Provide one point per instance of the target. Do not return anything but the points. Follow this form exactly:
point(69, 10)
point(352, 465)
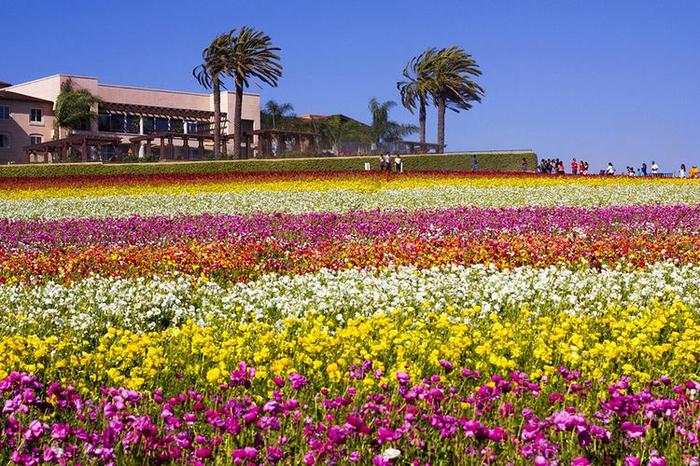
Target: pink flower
point(580, 461)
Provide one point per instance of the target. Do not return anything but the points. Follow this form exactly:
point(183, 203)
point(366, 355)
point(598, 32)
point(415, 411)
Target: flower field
point(350, 318)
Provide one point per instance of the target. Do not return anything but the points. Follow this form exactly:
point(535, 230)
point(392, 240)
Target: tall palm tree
point(451, 84)
point(210, 74)
point(383, 129)
point(415, 89)
point(250, 56)
point(276, 111)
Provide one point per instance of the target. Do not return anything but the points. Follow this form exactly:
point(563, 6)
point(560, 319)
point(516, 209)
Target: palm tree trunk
point(217, 117)
point(441, 123)
point(421, 124)
point(237, 122)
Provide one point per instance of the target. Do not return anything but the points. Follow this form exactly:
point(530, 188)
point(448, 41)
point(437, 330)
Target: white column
point(142, 145)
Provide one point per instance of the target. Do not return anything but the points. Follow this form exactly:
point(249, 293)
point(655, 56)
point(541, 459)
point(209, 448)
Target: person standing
point(524, 164)
point(574, 167)
point(644, 169)
point(398, 164)
point(610, 170)
point(474, 162)
point(654, 168)
point(681, 172)
point(381, 162)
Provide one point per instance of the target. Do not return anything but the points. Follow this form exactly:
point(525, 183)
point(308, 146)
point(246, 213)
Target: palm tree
point(210, 75)
point(451, 85)
point(250, 56)
point(415, 90)
point(383, 129)
point(275, 111)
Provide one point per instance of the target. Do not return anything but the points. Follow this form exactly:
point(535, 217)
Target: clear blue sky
point(603, 80)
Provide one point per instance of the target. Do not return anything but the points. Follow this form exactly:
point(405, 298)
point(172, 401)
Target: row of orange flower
point(245, 259)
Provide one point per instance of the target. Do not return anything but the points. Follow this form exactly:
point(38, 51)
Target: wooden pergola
point(166, 144)
point(59, 148)
point(275, 142)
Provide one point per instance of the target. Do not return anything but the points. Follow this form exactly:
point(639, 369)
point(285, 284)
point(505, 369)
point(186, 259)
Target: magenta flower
point(242, 454)
point(446, 365)
point(631, 430)
point(580, 461)
point(632, 461)
point(297, 380)
point(403, 378)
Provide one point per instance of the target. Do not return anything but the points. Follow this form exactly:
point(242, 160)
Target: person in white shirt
point(681, 172)
point(398, 164)
point(654, 168)
point(610, 170)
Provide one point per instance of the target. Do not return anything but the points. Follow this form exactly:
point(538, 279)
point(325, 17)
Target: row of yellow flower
point(641, 342)
point(83, 187)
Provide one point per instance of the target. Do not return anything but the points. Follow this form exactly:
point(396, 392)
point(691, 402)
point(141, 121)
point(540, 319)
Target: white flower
point(391, 453)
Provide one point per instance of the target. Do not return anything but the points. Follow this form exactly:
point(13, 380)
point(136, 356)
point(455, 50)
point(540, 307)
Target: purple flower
point(446, 365)
point(297, 380)
point(632, 461)
point(403, 377)
point(657, 460)
point(580, 461)
point(241, 454)
point(631, 430)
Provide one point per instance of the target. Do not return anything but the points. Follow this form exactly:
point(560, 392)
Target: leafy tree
point(273, 112)
point(383, 129)
point(336, 129)
point(210, 74)
point(250, 56)
point(451, 86)
point(74, 107)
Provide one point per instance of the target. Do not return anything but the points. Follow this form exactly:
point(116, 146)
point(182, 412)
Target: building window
point(162, 125)
point(4, 141)
point(35, 139)
point(149, 125)
point(4, 112)
point(192, 127)
point(35, 115)
point(133, 124)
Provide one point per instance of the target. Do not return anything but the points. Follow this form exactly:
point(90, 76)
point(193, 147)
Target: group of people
point(643, 170)
point(556, 167)
point(386, 163)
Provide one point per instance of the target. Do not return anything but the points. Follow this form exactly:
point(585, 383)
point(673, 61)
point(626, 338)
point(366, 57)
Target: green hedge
point(486, 161)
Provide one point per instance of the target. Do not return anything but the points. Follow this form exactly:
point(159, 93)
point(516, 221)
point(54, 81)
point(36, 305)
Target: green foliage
point(487, 161)
point(383, 129)
point(74, 107)
point(276, 115)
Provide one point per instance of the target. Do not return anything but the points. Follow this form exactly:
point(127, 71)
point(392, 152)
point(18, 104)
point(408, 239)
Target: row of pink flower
point(320, 227)
point(481, 420)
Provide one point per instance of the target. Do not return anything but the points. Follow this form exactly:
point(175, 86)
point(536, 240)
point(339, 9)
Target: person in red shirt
point(574, 167)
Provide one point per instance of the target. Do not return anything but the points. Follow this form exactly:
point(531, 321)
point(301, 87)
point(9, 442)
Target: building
point(135, 121)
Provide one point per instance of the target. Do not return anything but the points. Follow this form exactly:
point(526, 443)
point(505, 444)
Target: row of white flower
point(95, 304)
point(339, 200)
